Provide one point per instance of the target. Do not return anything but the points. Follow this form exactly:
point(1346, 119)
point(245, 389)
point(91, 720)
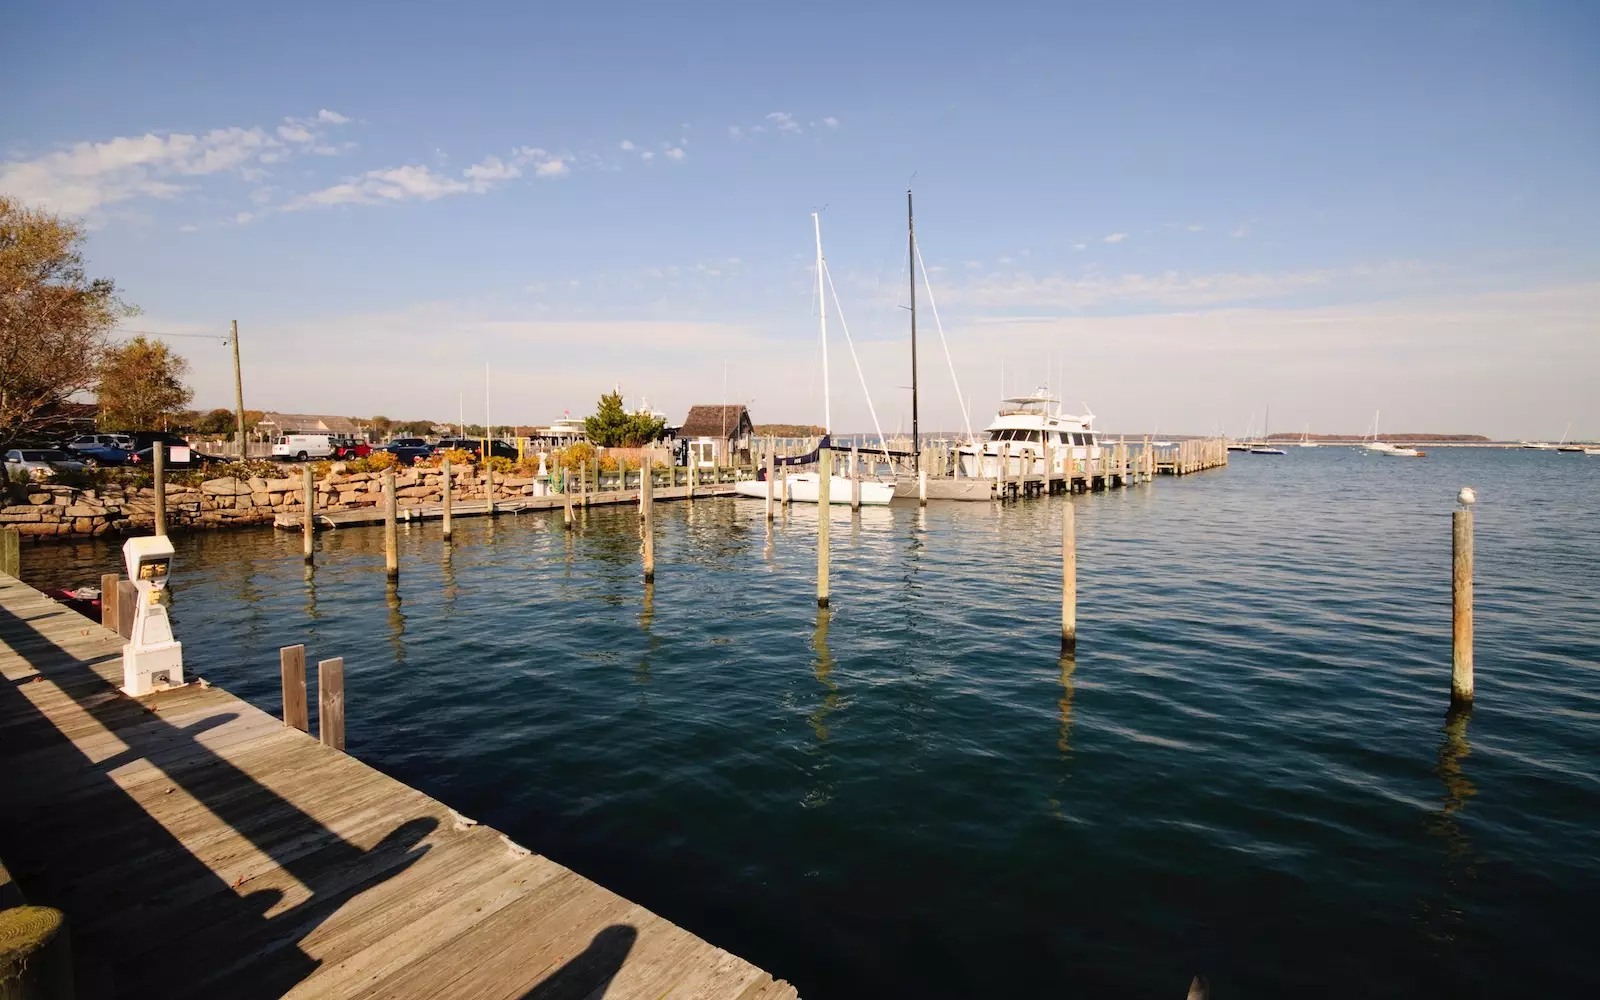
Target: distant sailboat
point(1305, 438)
point(1265, 447)
point(1374, 445)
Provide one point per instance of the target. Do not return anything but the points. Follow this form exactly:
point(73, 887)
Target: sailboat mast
point(911, 257)
point(822, 321)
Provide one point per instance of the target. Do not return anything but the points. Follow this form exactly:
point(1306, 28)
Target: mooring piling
point(391, 543)
point(158, 466)
point(566, 500)
point(308, 487)
point(772, 467)
point(488, 481)
point(824, 498)
point(1069, 579)
point(1461, 686)
point(447, 486)
point(647, 477)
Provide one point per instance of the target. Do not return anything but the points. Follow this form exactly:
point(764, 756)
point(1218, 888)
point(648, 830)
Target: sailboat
point(806, 487)
point(1562, 444)
point(1374, 445)
point(1265, 446)
point(1305, 438)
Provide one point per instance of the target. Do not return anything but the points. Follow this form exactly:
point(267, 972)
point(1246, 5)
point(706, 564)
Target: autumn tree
point(53, 320)
point(217, 421)
point(141, 382)
point(612, 426)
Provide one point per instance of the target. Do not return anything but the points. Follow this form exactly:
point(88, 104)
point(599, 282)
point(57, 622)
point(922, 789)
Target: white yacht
point(1021, 429)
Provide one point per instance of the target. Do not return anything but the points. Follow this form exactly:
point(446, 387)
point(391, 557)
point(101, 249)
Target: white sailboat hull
point(806, 488)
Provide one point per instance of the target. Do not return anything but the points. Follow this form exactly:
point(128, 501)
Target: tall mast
point(822, 320)
point(911, 257)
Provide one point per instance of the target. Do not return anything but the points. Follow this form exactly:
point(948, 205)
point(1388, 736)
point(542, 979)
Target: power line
point(161, 333)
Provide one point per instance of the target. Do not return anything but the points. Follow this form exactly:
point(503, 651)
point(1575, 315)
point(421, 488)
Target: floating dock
point(202, 848)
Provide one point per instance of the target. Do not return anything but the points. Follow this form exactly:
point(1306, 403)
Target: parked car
point(179, 454)
point(408, 450)
point(40, 463)
point(301, 447)
point(102, 455)
point(498, 448)
point(348, 448)
point(87, 442)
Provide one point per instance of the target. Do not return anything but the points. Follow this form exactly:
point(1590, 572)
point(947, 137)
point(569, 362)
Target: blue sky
point(1176, 213)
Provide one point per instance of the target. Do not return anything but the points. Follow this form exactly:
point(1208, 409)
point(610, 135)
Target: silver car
point(39, 463)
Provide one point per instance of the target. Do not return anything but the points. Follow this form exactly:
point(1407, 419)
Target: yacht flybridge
point(1021, 430)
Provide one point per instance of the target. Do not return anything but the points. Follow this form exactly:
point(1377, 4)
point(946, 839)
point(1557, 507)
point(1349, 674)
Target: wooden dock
point(200, 847)
point(477, 508)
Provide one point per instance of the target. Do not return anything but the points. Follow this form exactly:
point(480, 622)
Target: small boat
point(1591, 451)
point(1264, 447)
point(1238, 446)
point(1374, 445)
point(1404, 451)
point(805, 487)
point(1305, 438)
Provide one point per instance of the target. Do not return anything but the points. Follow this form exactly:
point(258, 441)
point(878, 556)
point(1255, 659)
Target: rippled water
point(1248, 771)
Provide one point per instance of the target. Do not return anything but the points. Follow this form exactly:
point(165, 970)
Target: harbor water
point(1247, 772)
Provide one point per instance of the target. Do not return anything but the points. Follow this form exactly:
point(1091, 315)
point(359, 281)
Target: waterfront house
point(717, 435)
point(273, 425)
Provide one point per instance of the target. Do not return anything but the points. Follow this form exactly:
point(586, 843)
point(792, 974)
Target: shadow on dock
point(148, 917)
point(589, 973)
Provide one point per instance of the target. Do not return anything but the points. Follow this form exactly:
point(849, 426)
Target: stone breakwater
point(44, 510)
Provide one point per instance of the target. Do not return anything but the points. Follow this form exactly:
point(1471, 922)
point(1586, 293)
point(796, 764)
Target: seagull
point(1467, 497)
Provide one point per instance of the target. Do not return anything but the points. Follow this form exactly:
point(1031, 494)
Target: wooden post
point(391, 544)
point(448, 487)
point(855, 478)
point(1069, 579)
point(772, 474)
point(922, 487)
point(824, 490)
point(11, 552)
point(647, 487)
point(1049, 462)
point(330, 702)
point(309, 487)
point(566, 502)
point(488, 484)
point(158, 466)
point(127, 604)
point(1461, 607)
point(292, 665)
point(108, 600)
point(35, 954)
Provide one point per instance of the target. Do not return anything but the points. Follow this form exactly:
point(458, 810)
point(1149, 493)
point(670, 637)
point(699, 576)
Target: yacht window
point(1089, 439)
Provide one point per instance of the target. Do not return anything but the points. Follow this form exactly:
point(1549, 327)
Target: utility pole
point(238, 394)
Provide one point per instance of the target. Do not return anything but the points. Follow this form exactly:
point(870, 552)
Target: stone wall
point(42, 511)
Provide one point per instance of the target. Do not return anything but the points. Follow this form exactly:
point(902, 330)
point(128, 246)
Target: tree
point(141, 382)
point(218, 421)
point(612, 426)
point(381, 426)
point(414, 428)
point(53, 320)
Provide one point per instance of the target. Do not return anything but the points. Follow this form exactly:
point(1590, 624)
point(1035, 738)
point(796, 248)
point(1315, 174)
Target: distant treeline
point(1385, 437)
point(789, 430)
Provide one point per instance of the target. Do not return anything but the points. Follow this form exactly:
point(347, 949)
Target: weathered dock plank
point(200, 847)
point(478, 508)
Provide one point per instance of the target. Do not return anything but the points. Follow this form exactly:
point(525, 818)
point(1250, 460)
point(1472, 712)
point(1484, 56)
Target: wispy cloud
point(420, 183)
point(735, 132)
point(831, 122)
point(626, 145)
point(1115, 238)
point(675, 153)
point(89, 176)
point(783, 121)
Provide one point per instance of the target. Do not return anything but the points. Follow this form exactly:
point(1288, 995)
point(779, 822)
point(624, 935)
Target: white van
point(303, 446)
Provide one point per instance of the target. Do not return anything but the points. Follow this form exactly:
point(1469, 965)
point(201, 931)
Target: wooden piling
point(922, 489)
point(647, 481)
point(855, 478)
point(566, 502)
point(35, 954)
point(292, 667)
point(127, 604)
point(772, 471)
point(391, 543)
point(108, 600)
point(488, 484)
point(11, 552)
point(308, 486)
point(448, 487)
point(824, 491)
point(1069, 579)
point(158, 467)
point(330, 702)
point(1461, 607)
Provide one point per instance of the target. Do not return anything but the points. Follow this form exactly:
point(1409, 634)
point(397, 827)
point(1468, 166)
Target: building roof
point(315, 423)
point(714, 421)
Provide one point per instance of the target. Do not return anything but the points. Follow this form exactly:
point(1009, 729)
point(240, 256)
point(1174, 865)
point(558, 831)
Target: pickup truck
point(408, 450)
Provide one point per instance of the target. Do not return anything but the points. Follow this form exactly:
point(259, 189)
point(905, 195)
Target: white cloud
point(1079, 246)
point(675, 153)
point(490, 171)
point(551, 168)
point(243, 218)
point(1194, 227)
point(627, 145)
point(331, 117)
point(831, 122)
point(88, 176)
point(783, 121)
point(647, 155)
point(735, 132)
point(1115, 238)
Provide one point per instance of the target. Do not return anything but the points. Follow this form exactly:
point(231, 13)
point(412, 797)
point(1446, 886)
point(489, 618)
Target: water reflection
point(1068, 665)
point(1444, 917)
point(647, 617)
point(397, 622)
point(447, 570)
point(311, 592)
point(822, 664)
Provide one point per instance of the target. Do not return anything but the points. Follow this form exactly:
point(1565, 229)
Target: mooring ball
point(1467, 497)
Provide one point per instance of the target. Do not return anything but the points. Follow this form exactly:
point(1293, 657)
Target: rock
point(244, 501)
point(83, 525)
point(282, 485)
point(39, 498)
point(101, 528)
point(37, 529)
point(62, 499)
point(227, 486)
point(358, 477)
point(84, 510)
point(256, 484)
point(31, 515)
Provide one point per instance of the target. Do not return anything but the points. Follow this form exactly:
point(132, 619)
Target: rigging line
point(158, 333)
point(928, 284)
point(839, 309)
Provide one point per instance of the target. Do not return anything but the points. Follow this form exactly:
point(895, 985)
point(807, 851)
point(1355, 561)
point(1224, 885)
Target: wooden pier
point(200, 847)
point(478, 508)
